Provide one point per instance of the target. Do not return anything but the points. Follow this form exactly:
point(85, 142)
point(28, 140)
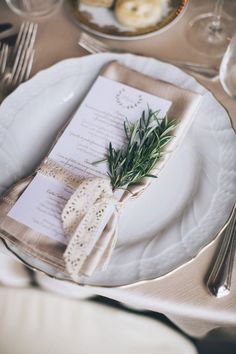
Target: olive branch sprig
point(146, 140)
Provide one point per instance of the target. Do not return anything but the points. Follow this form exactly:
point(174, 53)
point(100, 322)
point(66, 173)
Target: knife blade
point(8, 33)
point(5, 26)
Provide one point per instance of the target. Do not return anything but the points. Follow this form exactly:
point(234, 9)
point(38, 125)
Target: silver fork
point(21, 59)
point(3, 58)
point(94, 45)
point(219, 278)
point(23, 55)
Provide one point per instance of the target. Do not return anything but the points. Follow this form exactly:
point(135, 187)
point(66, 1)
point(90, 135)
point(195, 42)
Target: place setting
point(128, 170)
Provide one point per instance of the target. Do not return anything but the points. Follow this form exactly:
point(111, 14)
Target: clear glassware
point(228, 69)
point(34, 8)
point(210, 32)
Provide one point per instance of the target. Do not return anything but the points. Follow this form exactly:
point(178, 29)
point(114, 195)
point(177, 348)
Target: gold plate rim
point(129, 285)
point(83, 22)
point(124, 286)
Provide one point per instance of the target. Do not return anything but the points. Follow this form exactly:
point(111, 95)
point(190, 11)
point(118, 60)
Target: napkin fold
point(97, 252)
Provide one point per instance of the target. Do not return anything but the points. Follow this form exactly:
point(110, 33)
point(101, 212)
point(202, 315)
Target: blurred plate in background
point(101, 21)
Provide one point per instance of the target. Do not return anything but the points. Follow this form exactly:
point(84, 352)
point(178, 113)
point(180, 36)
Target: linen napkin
point(41, 248)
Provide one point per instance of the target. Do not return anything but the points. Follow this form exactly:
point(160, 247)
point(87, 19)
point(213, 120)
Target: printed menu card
point(97, 122)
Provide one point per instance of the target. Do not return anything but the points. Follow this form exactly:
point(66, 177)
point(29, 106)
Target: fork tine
point(26, 67)
point(29, 67)
point(26, 56)
point(21, 59)
point(23, 55)
point(22, 31)
point(1, 55)
point(3, 58)
point(17, 73)
point(28, 43)
point(33, 37)
point(24, 36)
point(91, 44)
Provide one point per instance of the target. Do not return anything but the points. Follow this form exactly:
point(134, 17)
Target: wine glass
point(228, 69)
point(210, 32)
point(34, 8)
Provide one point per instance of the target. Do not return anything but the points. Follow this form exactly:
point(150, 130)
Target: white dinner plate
point(179, 214)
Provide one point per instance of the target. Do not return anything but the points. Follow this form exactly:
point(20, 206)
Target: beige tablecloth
point(181, 295)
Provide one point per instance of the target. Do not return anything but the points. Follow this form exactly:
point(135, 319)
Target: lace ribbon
point(89, 220)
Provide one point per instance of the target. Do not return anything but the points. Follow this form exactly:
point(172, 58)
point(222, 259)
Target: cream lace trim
point(86, 220)
point(53, 169)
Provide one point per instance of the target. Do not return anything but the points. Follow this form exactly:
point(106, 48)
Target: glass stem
point(217, 13)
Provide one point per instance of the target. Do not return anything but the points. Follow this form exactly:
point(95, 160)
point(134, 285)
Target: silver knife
point(6, 30)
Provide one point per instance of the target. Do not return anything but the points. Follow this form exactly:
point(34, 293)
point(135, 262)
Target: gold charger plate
point(102, 21)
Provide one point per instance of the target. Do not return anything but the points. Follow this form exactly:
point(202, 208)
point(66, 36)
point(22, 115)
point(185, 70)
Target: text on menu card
point(97, 122)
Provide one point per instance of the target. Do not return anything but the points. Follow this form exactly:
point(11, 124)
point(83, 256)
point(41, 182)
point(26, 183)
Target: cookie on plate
point(139, 13)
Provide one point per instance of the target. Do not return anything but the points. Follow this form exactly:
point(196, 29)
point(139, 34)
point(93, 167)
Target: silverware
point(3, 58)
point(21, 59)
point(6, 30)
point(219, 279)
point(93, 45)
point(5, 26)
